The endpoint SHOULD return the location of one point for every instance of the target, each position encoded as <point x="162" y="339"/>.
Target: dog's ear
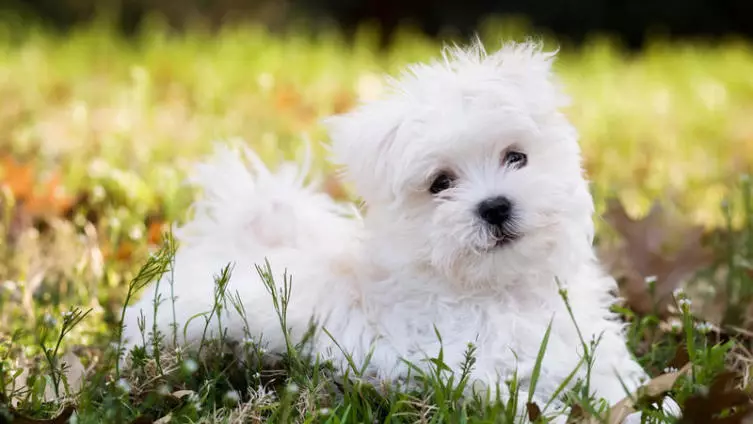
<point x="363" y="143"/>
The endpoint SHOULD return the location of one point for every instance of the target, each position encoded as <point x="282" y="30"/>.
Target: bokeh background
<point x="105" y="105"/>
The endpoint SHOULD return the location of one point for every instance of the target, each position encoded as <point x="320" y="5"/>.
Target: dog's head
<point x="467" y="165"/>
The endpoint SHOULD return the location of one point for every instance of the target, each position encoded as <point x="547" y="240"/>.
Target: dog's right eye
<point x="441" y="182"/>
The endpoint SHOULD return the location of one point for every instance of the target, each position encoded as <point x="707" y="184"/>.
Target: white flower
<point x="195" y="401"/>
<point x="123" y="385"/>
<point x="49" y="320"/>
<point x="704" y="327"/>
<point x="190" y="366"/>
<point x="651" y="279"/>
<point x="678" y="292"/>
<point x="292" y="388"/>
<point x="324" y="411"/>
<point x="248" y="341"/>
<point x="163" y="390"/>
<point x="670" y="370"/>
<point x="684" y="303"/>
<point x="675" y="324"/>
<point x="232" y="397"/>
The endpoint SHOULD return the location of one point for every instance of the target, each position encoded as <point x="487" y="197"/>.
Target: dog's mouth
<point x="504" y="241"/>
<point x="504" y="236"/>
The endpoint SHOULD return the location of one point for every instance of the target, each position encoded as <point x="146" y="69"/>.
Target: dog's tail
<point x="247" y="207"/>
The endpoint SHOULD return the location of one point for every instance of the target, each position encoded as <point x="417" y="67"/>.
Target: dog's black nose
<point x="495" y="211"/>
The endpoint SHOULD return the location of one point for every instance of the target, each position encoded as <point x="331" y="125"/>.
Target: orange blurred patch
<point x="154" y="233"/>
<point x="46" y="200"/>
<point x="19" y="178"/>
<point x="286" y="97"/>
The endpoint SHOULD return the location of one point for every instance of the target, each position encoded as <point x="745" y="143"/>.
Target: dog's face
<point x="469" y="167"/>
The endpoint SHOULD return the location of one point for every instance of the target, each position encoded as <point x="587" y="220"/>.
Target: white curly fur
<point x="417" y="261"/>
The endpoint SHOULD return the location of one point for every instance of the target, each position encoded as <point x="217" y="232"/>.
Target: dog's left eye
<point x="516" y="159"/>
<point x="441" y="182"/>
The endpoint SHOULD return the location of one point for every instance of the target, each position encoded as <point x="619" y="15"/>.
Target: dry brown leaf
<point x="576" y="415"/>
<point x="655" y="246"/>
<point x="183" y="393"/>
<point x="534" y="412"/>
<point x="164" y="420"/>
<point x="722" y="395"/>
<point x="655" y="388"/>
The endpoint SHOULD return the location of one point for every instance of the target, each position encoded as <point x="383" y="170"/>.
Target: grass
<point x="97" y="132"/>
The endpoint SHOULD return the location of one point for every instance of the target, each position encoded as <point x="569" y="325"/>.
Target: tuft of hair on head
<point x="526" y="56"/>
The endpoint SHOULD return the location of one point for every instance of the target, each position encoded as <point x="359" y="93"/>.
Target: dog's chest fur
<point x="409" y="316"/>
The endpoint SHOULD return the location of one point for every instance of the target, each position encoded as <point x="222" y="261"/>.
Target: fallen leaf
<point x="534" y="412"/>
<point x="183" y="393"/>
<point x="722" y="395"/>
<point x="576" y="415"/>
<point x="656" y="246"/>
<point x="654" y="389"/>
<point x="164" y="420"/>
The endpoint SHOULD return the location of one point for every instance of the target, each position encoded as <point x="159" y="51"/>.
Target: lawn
<point x="97" y="133"/>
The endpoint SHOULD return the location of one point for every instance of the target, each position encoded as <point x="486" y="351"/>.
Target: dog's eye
<point x="516" y="159"/>
<point x="441" y="182"/>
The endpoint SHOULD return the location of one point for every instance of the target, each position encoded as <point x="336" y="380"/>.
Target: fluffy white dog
<point x="476" y="208"/>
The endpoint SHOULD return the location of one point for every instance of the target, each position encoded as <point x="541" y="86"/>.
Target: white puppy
<point x="476" y="208"/>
